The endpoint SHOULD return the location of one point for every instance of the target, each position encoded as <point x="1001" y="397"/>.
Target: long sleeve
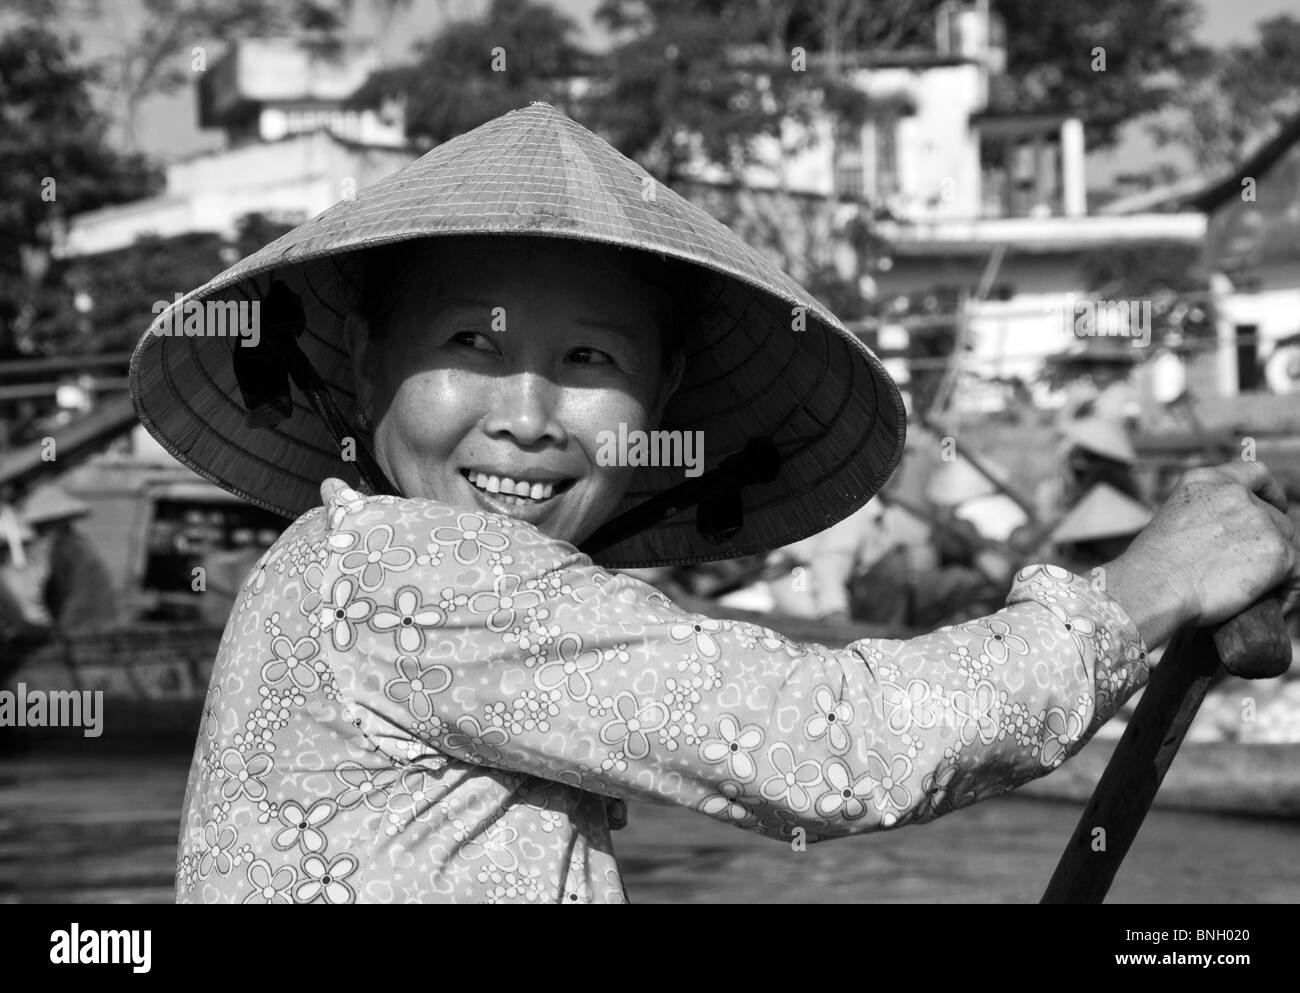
<point x="472" y="635"/>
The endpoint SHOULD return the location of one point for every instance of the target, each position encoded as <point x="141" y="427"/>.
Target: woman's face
<point x="501" y="365"/>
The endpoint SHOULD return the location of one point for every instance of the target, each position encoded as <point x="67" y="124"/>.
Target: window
<point x="1248" y="368"/>
<point x="849" y="168"/>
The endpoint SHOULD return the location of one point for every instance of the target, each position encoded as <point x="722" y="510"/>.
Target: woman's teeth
<point x="505" y="486"/>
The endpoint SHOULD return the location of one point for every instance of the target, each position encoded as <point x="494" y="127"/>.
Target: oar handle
<point x="1254" y="644"/>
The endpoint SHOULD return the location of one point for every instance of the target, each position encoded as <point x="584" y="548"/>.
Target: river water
<point x="103" y="828"/>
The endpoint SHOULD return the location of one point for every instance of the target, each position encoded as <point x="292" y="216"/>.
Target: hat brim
<point x="753" y="368"/>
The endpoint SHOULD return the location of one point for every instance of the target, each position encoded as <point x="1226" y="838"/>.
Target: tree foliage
<point x="716" y="77"/>
<point x="160" y="35"/>
<point x="55" y="161"/>
<point x="1237" y="97"/>
<point x="104" y="302"/>
<point x="475" y="70"/>
<point x="1053" y="58"/>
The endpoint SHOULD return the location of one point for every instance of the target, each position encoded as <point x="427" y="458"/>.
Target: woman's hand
<point x="1218" y="543"/>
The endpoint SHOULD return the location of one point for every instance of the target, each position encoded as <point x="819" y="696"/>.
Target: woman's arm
<point x="488" y="641"/>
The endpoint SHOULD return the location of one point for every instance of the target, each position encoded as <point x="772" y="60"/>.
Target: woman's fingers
<point x="1256" y="478"/>
<point x="1284" y="524"/>
<point x="1288" y="586"/>
<point x="1224" y="540"/>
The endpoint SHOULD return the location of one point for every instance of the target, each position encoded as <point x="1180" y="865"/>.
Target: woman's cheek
<point x="605" y="410"/>
<point x="432" y="410"/>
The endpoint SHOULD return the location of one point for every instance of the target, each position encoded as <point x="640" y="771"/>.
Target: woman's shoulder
<point x="436" y="534"/>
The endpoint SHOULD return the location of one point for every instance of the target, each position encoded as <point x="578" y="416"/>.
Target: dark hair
<point x="386" y="269"/>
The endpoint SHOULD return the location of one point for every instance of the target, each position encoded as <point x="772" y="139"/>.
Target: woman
<point x="429" y="693"/>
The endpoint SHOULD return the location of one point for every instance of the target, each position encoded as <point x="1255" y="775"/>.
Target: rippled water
<point x="103" y="829"/>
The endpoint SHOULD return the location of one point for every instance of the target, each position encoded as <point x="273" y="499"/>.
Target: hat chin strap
<point x="264" y="382"/>
<point x="264" y="386"/>
<point x="720" y="515"/>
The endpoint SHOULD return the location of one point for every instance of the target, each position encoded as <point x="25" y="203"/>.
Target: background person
<point x="77" y="591"/>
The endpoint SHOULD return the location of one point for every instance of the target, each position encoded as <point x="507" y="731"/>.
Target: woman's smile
<point x="524" y="494"/>
<point x="499" y="368"/>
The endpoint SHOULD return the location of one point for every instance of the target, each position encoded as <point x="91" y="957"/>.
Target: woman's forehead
<point x="498" y="272"/>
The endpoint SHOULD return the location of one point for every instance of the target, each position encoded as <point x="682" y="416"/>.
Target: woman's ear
<point x="365" y="359"/>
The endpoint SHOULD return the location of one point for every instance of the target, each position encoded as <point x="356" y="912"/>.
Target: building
<point x="989" y="205"/>
<point x="1252" y="246"/>
<point x="295" y="145"/>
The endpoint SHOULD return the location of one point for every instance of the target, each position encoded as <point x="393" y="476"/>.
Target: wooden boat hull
<point x="154" y="677"/>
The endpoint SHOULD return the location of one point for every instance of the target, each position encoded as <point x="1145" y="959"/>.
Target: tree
<point x="475" y="70"/>
<point x="157" y="56"/>
<point x="55" y="161"/>
<point x="1108" y="61"/>
<point x="713" y="78"/>
<point x="103" y="303"/>
<point x="1235" y="98"/>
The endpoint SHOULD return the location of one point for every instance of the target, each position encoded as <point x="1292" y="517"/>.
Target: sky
<point x="168" y="128"/>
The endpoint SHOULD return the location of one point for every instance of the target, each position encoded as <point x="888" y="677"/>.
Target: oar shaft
<point x="1119" y="804"/>
<point x="1252" y="645"/>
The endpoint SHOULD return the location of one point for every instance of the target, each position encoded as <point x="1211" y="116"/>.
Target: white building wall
<point x="938" y="158"/>
<point x="937" y="166"/>
<point x="290" y="180"/>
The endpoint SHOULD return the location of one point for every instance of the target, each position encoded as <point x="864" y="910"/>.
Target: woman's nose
<point x="525" y="410"/>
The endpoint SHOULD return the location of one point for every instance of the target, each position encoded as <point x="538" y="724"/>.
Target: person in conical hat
<point x="24" y="568"/>
<point x="78" y="590"/>
<point x="954" y="483"/>
<point x="1099" y="527"/>
<point x="452" y="383"/>
<point x="1104" y="512"/>
<point x="1093" y="450"/>
<point x="48" y="504"/>
<point x="1102" y="436"/>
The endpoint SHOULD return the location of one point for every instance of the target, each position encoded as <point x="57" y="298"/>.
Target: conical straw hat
<point x="49" y="503"/>
<point x="1104" y="512"/>
<point x="1102" y="436"/>
<point x="751" y="371"/>
<point x="953" y="483"/>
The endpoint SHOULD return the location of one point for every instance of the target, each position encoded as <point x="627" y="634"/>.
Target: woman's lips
<point x="499" y="483"/>
<point x="520" y="498"/>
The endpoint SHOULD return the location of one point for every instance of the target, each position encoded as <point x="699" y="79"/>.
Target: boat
<point x="180" y="548"/>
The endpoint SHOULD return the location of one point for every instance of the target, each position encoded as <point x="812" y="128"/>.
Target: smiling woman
<point x="428" y="693"/>
<point x="490" y="367"/>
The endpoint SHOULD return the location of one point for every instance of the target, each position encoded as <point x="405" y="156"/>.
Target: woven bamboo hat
<point x="764" y="359"/>
<point x="50" y="503"/>
<point x="954" y="483"/>
<point x="1101" y="436"/>
<point x="1104" y="512"/>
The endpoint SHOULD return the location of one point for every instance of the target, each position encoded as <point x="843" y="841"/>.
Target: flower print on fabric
<point x="415" y="703"/>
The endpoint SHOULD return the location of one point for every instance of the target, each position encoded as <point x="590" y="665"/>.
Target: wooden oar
<point x="1252" y="645"/>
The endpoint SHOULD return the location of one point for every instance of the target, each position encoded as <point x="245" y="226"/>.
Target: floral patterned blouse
<point x="413" y="702"/>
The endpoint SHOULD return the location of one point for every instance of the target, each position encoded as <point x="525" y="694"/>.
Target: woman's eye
<point x="473" y="339"/>
<point x="591" y="356"/>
